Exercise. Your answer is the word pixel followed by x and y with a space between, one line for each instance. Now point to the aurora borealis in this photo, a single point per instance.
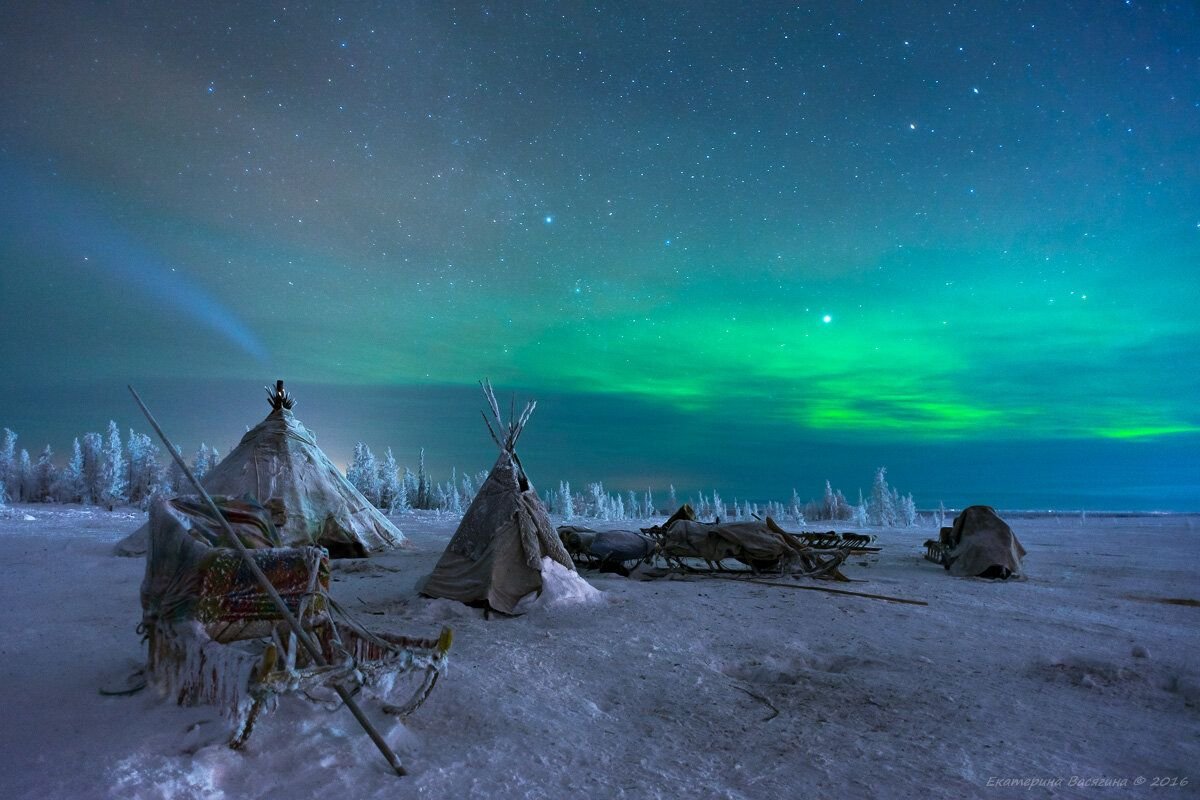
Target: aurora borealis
pixel 743 246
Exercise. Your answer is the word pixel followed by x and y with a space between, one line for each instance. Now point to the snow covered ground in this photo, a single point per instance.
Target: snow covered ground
pixel 696 688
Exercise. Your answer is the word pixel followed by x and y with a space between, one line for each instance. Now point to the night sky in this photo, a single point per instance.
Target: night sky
pixel 741 246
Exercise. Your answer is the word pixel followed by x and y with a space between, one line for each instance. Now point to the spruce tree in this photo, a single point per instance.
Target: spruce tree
pixel 44 476
pixel 8 462
pixel 390 490
pixel 363 473
pixel 410 488
pixel 24 479
pixel 112 467
pixel 568 502
pixel 881 508
pixel 424 493
pixel 93 449
pixel 176 483
pixel 201 462
pixel 69 486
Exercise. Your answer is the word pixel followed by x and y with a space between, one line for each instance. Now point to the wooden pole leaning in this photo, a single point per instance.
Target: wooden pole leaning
pixel 302 636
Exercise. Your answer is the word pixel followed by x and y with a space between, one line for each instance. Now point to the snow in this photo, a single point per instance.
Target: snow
pixel 691 687
pixel 560 587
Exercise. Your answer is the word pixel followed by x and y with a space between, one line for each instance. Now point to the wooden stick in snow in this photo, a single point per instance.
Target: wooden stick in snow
pixel 828 589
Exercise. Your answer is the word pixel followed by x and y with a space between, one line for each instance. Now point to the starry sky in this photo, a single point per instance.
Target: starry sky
pixel 748 247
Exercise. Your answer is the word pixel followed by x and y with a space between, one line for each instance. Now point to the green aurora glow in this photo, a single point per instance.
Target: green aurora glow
pixel 999 211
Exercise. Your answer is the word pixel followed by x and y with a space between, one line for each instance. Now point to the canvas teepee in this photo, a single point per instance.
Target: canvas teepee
pixel 279 464
pixel 497 554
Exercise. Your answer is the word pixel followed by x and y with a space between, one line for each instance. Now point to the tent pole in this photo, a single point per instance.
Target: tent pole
pixel 301 635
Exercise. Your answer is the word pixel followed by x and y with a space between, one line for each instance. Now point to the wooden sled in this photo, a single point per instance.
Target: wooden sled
pixel 232 648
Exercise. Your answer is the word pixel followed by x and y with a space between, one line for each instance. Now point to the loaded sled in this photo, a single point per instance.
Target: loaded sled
pixel 215 636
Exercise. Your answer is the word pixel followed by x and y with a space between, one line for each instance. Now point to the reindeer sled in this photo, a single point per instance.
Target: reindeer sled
pixel 215 636
pixel 758 546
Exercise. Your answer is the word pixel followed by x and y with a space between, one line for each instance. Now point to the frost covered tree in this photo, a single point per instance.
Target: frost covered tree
pixel 93 486
pixel 390 489
pixel 832 506
pixel 112 468
pixel 69 486
pixel 24 479
pixel 8 462
pixel 44 476
pixel 410 485
pixel 202 462
pixel 453 498
pixel 648 509
pixel 176 483
pixel 568 503
pixel 599 505
pixel 829 503
pixel 364 473
pixel 672 500
pixel 796 509
pixel 908 511
pixel 881 507
pixel 468 489
pixel 424 492
pixel 859 512
pixel 147 477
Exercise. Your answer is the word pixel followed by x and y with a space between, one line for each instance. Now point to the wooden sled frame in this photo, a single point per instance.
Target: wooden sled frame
pixel 241 662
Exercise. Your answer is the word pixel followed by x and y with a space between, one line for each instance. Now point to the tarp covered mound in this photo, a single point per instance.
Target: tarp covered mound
pixel 610 549
pixel 278 463
pixel 495 556
pixel 752 543
pixel 980 543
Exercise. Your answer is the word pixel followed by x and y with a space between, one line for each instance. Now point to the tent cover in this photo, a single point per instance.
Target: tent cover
pixel 279 464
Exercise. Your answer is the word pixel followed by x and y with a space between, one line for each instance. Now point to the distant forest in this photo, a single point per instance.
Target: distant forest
pixel 104 470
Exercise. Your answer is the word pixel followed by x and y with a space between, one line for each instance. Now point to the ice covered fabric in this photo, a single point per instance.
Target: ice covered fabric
pixel 191 573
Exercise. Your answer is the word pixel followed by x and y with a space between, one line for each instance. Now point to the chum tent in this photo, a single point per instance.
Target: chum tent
pixel 505 539
pixel 279 464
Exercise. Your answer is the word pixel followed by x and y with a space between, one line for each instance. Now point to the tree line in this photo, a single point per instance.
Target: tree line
pixel 102 470
pixel 105 470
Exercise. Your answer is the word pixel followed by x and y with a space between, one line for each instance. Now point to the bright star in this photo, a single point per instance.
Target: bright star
pixel 549 219
pixel 827 318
